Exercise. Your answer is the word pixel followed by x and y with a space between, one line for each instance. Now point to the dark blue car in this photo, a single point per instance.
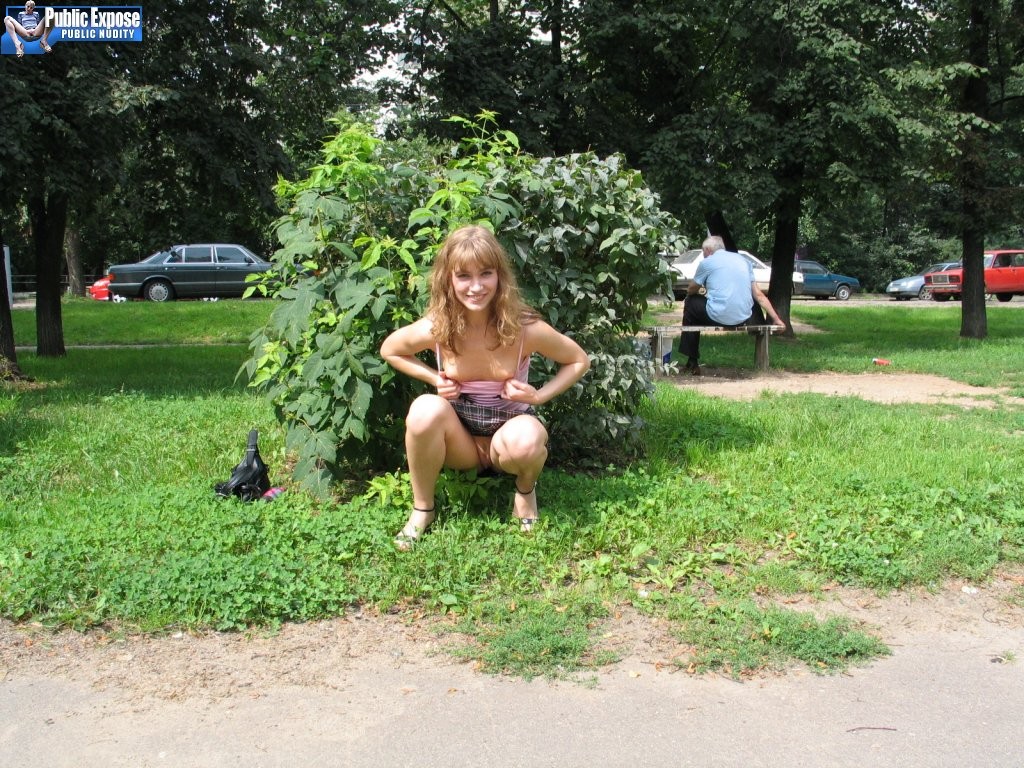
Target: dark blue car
pixel 821 283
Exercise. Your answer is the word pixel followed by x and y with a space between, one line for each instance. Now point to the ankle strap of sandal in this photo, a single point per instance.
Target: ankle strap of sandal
pixel 526 493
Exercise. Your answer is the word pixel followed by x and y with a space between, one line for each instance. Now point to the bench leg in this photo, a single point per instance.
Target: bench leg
pixel 661 348
pixel 761 360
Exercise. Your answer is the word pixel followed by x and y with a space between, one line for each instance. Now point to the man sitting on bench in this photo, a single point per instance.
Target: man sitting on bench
pixel 722 293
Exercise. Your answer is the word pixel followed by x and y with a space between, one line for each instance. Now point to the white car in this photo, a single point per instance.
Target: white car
pixel 684 266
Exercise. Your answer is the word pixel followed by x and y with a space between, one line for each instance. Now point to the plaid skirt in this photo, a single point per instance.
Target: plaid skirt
pixel 484 420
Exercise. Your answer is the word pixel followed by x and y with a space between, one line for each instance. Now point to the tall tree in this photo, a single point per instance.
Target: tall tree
pixel 9 369
pixel 744 111
pixel 512 61
pixel 973 171
pixel 54 143
pixel 180 136
pixel 969 97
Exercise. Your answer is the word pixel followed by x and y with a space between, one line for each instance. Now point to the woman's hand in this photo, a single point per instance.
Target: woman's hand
pixel 447 388
pixel 519 392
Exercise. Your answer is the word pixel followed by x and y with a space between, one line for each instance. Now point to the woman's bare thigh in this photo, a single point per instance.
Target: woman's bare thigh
pixel 460 447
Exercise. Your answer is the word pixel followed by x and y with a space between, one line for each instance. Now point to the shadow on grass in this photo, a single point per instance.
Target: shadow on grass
pixel 84 374
pixel 100 379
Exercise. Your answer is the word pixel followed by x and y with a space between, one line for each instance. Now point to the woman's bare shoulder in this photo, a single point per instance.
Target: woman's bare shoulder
pixel 536 330
pixel 412 338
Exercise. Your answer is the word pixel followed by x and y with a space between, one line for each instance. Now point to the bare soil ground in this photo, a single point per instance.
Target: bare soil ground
pixel 216 666
pixel 882 388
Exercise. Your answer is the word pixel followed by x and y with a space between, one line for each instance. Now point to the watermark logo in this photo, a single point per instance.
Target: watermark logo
pixel 32 29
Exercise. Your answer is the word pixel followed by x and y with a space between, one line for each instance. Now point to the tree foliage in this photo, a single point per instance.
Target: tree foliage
pixel 365 224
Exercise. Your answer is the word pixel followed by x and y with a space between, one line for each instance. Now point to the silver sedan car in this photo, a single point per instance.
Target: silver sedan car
pixel 913 287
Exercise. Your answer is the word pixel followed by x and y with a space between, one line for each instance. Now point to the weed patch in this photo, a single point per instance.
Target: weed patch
pixel 740 639
pixel 535 638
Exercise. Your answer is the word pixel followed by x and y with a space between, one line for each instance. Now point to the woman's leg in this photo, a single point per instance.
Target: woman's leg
pixel 520 448
pixel 12 29
pixel 434 438
pixel 45 33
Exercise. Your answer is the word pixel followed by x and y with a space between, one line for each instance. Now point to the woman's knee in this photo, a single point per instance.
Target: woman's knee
pixel 523 440
pixel 426 412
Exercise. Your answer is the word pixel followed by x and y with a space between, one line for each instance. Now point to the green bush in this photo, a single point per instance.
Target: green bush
pixel 363 228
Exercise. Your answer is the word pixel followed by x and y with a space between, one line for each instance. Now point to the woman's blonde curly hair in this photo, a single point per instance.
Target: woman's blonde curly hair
pixel 474 246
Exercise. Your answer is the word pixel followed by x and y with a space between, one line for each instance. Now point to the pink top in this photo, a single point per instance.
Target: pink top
pixel 486 392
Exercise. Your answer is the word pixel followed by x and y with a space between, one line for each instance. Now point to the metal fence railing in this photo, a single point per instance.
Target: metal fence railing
pixel 27 283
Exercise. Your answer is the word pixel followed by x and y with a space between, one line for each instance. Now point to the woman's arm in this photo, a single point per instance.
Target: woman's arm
pixel 399 350
pixel 573 361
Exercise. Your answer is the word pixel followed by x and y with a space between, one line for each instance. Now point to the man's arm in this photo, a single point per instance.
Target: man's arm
pixel 765 303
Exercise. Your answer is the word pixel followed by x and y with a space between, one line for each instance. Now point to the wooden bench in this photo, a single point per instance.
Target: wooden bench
pixel 662 338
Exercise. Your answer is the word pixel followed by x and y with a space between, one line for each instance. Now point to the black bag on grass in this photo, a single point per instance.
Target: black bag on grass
pixel 250 479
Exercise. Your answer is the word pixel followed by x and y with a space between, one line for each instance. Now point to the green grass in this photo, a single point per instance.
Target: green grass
pixel 90 322
pixel 109 518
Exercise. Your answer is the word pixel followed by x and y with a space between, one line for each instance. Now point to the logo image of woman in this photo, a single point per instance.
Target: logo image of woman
pixel 29 27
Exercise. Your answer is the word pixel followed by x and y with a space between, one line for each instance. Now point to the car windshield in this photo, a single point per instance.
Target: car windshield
pixel 158 256
pixel 687 258
pixel 755 262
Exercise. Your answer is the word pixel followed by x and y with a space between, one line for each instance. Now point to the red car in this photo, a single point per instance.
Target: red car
pixel 1004 277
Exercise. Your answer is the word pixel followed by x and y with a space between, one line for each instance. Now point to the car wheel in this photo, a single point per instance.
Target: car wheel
pixel 925 293
pixel 941 297
pixel 843 292
pixel 1004 296
pixel 159 290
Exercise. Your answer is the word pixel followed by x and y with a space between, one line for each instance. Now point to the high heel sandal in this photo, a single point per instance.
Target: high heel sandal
pixel 526 523
pixel 405 541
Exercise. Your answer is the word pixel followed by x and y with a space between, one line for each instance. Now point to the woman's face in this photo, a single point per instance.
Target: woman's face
pixel 475 286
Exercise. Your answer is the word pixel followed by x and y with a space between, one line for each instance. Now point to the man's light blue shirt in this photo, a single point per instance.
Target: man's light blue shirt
pixel 727 277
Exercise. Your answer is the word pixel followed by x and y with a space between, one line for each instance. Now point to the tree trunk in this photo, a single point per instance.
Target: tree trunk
pixel 558 130
pixel 788 206
pixel 73 262
pixel 780 289
pixel 973 171
pixel 9 369
pixel 49 218
pixel 717 225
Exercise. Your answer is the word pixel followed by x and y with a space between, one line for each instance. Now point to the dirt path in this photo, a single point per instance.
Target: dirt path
pixel 380 691
pixel 878 387
pixel 216 666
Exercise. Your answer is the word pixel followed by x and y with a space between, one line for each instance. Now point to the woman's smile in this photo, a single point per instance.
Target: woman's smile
pixel 475 287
